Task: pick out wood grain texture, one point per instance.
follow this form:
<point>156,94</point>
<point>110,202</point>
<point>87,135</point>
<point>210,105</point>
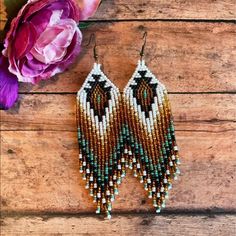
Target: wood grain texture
<point>40,172</point>
<point>202,112</point>
<point>3,15</point>
<point>187,57</point>
<point>122,225</point>
<point>159,9</point>
<point>42,192</point>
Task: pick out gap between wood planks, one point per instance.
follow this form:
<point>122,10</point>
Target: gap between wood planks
<point>155,20</point>
<point>163,20</point>
<point>74,93</point>
<point>219,117</point>
<point>178,212</point>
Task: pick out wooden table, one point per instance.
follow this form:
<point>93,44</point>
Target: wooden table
<point>191,46</point>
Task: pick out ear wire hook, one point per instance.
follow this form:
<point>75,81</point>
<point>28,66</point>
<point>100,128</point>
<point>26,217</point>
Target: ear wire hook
<point>144,44</point>
<point>95,55</point>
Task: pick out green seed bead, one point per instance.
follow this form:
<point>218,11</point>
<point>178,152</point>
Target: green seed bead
<point>158,210</point>
<point>116,191</point>
<point>98,211</point>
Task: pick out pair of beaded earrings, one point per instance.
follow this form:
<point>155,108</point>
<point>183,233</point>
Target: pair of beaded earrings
<point>133,129</point>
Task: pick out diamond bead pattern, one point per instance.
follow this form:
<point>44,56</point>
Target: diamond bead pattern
<point>134,130</point>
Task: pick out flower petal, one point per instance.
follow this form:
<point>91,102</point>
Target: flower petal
<point>34,6</point>
<point>88,8</point>
<point>31,68</point>
<point>72,53</point>
<point>41,20</point>
<point>25,39</point>
<point>64,7</point>
<point>8,85</point>
<point>51,47</point>
<point>35,18</point>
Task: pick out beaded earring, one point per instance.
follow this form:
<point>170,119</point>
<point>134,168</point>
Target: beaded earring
<point>101,136</point>
<point>151,130</point>
<point>134,130</point>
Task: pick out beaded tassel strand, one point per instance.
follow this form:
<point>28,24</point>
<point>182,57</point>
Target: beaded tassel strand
<point>151,123</point>
<point>101,138</point>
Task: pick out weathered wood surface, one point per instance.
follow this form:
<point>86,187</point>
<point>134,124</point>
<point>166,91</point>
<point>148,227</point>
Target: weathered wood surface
<point>40,173</point>
<point>187,57</point>
<point>122,225</point>
<point>159,9</point>
<point>193,112</point>
<point>2,15</point>
<point>41,187</point>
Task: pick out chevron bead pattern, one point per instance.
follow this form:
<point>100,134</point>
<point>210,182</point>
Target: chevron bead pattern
<point>101,136</point>
<point>134,130</point>
<point>155,156</point>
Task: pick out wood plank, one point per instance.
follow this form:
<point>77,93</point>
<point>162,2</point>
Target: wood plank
<point>158,9</point>
<point>202,112</point>
<point>3,15</point>
<point>187,57</point>
<point>40,173</point>
<point>222,225</point>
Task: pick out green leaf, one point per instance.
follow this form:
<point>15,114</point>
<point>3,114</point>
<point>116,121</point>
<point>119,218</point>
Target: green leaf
<point>84,25</point>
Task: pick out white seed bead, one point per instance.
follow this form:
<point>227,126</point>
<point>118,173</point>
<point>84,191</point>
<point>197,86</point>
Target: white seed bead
<point>176,148</point>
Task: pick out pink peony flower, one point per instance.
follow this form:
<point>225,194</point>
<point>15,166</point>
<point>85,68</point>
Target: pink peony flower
<point>43,40</point>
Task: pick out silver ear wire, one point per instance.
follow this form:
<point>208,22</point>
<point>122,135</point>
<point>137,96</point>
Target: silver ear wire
<point>144,44</point>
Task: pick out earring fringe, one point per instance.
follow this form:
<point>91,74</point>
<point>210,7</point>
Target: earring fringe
<point>131,130</point>
<point>101,138</point>
<point>152,135</point>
